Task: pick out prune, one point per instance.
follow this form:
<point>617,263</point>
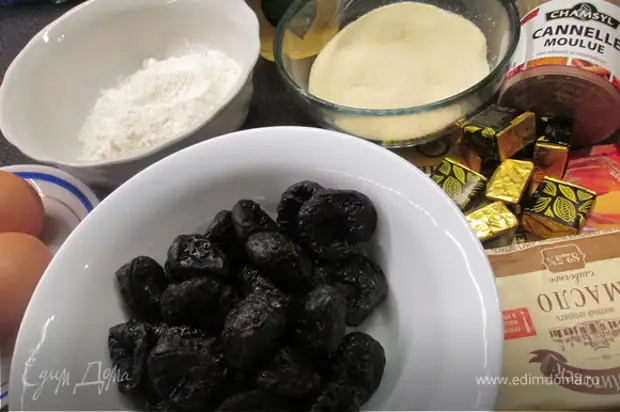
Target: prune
<point>253,327</point>
<point>286,264</point>
<point>337,397</point>
<point>194,255</point>
<point>289,375</point>
<point>253,401</point>
<point>222,232</point>
<point>291,201</point>
<point>189,372</point>
<point>332,222</point>
<point>360,362</point>
<point>268,248</point>
<point>319,321</point>
<point>141,283</point>
<point>180,330</point>
<point>249,218</point>
<point>251,279</point>
<point>129,345</point>
<point>319,279</point>
<point>203,302</point>
<point>242,380</point>
<point>364,282</point>
<point>251,315</point>
<point>220,229</point>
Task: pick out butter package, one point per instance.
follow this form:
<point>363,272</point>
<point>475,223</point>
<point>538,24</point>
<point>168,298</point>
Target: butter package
<point>460,183</point>
<point>497,133</point>
<point>492,221</point>
<point>552,150</point>
<point>561,310</point>
<point>557,209</point>
<point>510,181</point>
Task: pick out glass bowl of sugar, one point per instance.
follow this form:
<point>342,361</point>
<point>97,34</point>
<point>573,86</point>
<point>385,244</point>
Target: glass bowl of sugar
<point>398,73</point>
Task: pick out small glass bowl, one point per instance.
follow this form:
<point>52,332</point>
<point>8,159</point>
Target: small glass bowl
<point>308,25</point>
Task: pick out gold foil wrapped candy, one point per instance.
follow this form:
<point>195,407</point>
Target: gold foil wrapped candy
<point>492,221</point>
<point>497,133</point>
<point>557,209</point>
<point>510,181</point>
<point>460,183</point>
<point>552,150</point>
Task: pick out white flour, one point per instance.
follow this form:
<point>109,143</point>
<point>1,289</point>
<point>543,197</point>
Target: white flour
<point>154,105</point>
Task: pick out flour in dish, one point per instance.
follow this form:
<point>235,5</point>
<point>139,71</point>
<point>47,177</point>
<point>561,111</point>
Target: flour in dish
<point>157,103</point>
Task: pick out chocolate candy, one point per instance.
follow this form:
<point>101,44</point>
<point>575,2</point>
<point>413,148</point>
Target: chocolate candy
<point>557,209</point>
<point>492,221</point>
<point>473,160</point>
<point>497,133</point>
<point>553,127</point>
<point>460,183</point>
<point>527,153</point>
<point>552,149</point>
<point>485,167</point>
<point>489,167</point>
<point>510,181</point>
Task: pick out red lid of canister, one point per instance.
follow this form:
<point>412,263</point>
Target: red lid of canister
<point>570,92</point>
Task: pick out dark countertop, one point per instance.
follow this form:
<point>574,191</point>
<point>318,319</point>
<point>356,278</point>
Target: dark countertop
<point>271,105</point>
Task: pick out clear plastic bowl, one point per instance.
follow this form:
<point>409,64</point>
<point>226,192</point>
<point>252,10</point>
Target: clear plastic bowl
<point>308,25</point>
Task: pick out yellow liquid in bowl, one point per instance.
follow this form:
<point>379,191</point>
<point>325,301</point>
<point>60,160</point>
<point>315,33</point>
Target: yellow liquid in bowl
<point>324,27</point>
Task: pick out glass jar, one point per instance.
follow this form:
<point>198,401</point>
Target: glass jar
<point>498,20</point>
<point>323,28</point>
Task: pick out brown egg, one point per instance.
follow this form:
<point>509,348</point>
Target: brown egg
<point>23,259</point>
<point>21,208</point>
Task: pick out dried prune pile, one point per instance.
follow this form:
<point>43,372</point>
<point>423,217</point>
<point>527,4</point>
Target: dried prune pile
<point>252,314</point>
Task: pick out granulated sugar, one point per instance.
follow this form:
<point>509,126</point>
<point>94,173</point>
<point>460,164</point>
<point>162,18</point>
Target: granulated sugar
<point>397,56</point>
<point>157,103</point>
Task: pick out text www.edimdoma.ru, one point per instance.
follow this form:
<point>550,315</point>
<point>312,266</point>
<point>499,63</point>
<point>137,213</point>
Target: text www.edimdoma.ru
<point>528,379</point>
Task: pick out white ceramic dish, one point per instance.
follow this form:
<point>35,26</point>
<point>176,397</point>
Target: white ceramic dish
<point>441,326</point>
<point>67,200</point>
<point>5,364</point>
<point>52,84</point>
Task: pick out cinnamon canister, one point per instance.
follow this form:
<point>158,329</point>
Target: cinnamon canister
<point>567,64</point>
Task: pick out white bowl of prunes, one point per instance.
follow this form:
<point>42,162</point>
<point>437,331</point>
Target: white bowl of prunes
<point>257,309</point>
<point>277,269</point>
